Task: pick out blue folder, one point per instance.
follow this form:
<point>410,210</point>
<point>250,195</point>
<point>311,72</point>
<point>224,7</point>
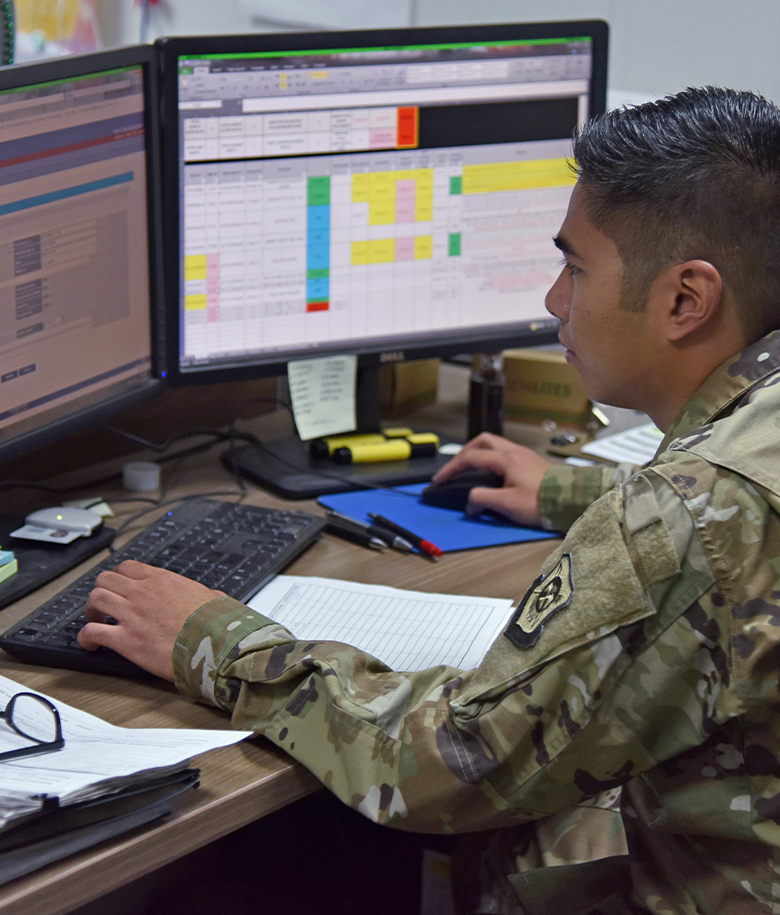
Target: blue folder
<point>448,529</point>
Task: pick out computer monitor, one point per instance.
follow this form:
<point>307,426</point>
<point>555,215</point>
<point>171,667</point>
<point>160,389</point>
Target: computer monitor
<point>79,231</point>
<point>391,194</point>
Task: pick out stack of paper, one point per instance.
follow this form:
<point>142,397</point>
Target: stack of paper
<point>406,630</point>
<point>104,781</point>
<point>633,446</point>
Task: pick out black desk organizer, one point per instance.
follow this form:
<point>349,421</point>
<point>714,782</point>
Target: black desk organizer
<point>41,562</point>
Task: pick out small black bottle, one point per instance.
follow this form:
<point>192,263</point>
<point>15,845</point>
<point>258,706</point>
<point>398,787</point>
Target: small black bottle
<point>486,395</point>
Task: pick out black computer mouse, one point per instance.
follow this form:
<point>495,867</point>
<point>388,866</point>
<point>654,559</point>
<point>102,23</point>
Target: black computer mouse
<point>454,493</point>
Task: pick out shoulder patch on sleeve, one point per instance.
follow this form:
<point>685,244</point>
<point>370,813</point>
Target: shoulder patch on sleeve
<point>546,596</point>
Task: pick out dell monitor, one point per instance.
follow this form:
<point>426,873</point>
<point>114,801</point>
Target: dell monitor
<point>79,267</point>
<point>389,194</point>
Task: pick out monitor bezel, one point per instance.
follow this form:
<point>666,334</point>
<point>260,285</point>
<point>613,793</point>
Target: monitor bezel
<point>29,74</point>
<point>264,365</point>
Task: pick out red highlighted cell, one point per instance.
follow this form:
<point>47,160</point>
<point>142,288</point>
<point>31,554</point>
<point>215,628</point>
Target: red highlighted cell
<point>408,128</point>
<point>317,306</point>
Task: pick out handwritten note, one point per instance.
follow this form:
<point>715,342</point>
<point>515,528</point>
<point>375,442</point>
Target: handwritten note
<point>323,395</point>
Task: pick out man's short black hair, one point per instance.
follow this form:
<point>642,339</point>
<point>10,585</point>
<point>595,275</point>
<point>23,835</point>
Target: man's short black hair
<point>694,175</point>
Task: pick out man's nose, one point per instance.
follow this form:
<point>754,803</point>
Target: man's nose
<point>557,299</point>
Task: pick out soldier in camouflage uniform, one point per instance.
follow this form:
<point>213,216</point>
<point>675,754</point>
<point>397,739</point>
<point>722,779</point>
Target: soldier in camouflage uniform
<point>645,656</point>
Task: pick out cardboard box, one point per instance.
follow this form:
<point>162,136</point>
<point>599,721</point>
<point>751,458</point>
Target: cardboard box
<point>407,386</point>
<point>541,385</point>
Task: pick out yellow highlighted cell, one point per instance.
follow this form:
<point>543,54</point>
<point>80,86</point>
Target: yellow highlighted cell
<point>381,250</point>
<point>194,302</point>
<point>423,209</point>
<point>195,267</point>
<point>381,213</point>
<point>378,190</point>
<point>359,253</point>
<point>516,176</point>
<point>381,185</point>
<point>360,188</point>
<point>375,251</point>
<point>423,247</point>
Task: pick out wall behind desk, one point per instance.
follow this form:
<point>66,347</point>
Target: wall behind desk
<point>656,48</point>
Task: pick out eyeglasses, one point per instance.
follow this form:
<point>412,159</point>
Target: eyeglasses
<point>34,718</point>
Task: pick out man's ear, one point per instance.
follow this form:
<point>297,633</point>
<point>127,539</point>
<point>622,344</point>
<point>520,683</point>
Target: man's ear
<point>692,292</point>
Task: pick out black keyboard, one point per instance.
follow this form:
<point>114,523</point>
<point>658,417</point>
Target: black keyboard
<point>232,548</point>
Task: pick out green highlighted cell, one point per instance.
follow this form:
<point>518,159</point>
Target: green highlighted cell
<point>456,185</point>
<point>319,191</point>
<point>454,244</point>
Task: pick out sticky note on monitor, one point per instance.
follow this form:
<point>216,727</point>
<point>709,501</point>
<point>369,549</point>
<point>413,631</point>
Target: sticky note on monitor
<point>323,395</point>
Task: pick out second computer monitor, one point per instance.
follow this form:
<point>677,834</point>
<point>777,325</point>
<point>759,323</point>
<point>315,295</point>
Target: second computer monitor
<point>391,194</point>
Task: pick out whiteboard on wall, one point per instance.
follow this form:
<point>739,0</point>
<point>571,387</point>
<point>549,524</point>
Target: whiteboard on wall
<point>335,14</point>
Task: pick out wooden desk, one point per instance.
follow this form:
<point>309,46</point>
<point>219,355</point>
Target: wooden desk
<point>250,780</point>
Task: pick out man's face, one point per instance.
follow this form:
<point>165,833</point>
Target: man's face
<point>615,351</point>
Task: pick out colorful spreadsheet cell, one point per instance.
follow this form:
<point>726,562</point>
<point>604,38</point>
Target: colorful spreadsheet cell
<point>408,128</point>
<point>318,191</point>
<point>317,306</point>
<point>318,218</point>
<point>194,302</point>
<point>423,247</point>
<point>317,257</point>
<point>404,248</point>
<point>517,176</point>
<point>317,290</point>
<point>375,251</point>
<point>195,267</point>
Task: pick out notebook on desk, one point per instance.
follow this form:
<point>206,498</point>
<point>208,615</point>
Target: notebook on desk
<point>449,530</point>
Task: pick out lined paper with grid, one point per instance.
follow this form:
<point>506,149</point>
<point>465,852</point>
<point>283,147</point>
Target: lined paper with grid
<point>407,630</point>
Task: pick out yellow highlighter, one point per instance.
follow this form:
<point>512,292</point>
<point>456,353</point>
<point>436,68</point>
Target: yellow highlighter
<point>420,444</point>
<point>321,448</point>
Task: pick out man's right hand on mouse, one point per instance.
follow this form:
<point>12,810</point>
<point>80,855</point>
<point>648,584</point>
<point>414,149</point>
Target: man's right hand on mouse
<point>521,468</point>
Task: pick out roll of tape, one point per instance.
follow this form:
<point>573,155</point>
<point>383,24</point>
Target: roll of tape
<point>141,476</point>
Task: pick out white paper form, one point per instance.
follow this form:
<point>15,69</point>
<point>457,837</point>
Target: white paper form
<point>323,395</point>
<point>97,757</point>
<point>407,630</point>
<point>634,446</point>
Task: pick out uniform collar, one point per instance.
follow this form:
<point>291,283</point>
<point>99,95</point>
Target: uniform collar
<point>727,384</point>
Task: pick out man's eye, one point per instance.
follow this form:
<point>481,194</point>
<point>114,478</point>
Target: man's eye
<point>572,268</point>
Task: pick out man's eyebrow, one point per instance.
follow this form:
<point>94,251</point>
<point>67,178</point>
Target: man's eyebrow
<point>562,245</point>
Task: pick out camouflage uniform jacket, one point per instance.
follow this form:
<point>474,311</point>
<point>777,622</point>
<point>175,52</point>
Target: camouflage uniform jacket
<point>646,655</point>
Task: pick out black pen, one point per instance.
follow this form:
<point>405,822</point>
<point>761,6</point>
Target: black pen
<point>430,549</point>
<point>359,537</point>
<point>373,530</point>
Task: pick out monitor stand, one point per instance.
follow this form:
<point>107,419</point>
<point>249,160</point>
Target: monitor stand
<point>283,466</point>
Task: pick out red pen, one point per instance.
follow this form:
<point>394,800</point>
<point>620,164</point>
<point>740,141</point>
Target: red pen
<point>430,549</point>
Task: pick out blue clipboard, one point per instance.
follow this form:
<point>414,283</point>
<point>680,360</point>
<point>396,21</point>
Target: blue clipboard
<point>449,530</point>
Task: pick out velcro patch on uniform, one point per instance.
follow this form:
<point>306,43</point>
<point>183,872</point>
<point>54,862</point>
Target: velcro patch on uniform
<point>546,596</point>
